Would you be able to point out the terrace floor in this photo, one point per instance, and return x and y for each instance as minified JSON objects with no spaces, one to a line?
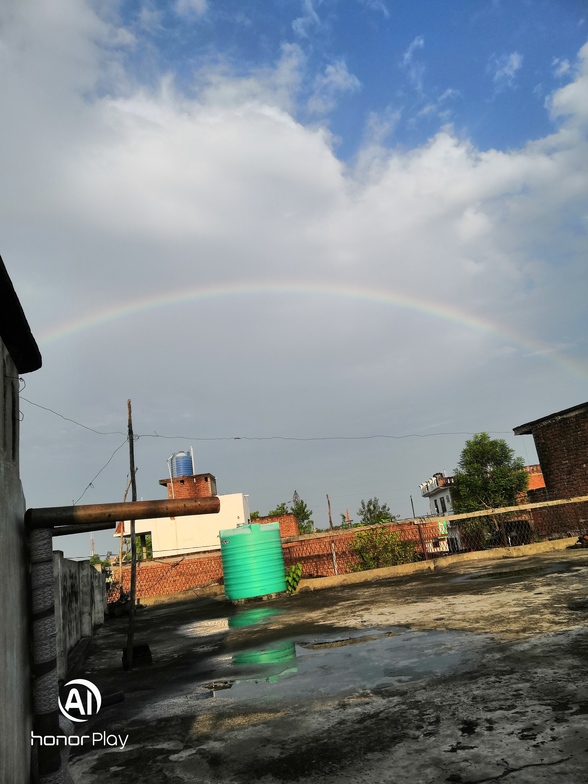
{"x":474,"y":673}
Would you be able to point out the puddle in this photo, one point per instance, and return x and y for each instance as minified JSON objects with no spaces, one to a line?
{"x":252,"y":617}
{"x":274,"y":653}
{"x":205,"y":628}
{"x":512,"y":573}
{"x":343,"y":664}
{"x":242,"y":618}
{"x":337,"y":666}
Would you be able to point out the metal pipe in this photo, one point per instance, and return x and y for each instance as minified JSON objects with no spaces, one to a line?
{"x":66,"y":530}
{"x":52,"y":516}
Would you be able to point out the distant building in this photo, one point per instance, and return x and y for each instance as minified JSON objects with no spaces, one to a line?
{"x":438,"y":490}
{"x":191,"y":533}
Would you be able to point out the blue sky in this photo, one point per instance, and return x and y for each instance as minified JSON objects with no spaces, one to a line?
{"x":486,"y":67}
{"x":300,"y":220}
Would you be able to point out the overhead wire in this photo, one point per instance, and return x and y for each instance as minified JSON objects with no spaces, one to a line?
{"x":91,"y":483}
{"x":264,"y":438}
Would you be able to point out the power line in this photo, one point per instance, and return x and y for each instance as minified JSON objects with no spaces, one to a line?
{"x":266,"y":438}
{"x":67,"y":419}
{"x":91,"y":483}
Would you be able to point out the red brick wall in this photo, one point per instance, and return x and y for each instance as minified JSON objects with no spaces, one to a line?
{"x":160,"y":577}
{"x":197,"y":486}
{"x":288,"y":524}
{"x":562,"y":447}
{"x":166,"y":576}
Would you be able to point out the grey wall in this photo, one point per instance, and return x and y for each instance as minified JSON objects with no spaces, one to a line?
{"x":80,"y":604}
{"x":15,"y":693}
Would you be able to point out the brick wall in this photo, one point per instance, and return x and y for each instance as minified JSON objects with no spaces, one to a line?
{"x":313,"y":551}
{"x":197,"y":486}
{"x":562,"y":447}
{"x":288,"y":524}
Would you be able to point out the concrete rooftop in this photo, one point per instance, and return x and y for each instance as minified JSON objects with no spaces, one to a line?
{"x":474,"y":673}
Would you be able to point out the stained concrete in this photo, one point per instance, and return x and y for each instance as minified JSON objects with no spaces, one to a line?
{"x":473,"y":673}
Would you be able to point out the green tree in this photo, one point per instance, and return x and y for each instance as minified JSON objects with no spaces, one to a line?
{"x":372,"y":512}
{"x":253,"y":515}
{"x":304,"y":516}
{"x":300,"y":511}
{"x":488,"y":475}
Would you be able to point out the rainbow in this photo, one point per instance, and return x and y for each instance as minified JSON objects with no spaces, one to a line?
{"x":375,"y":296}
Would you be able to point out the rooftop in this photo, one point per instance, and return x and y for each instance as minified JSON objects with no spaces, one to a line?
{"x":529,"y":427}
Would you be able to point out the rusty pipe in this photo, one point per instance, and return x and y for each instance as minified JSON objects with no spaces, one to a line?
{"x":52,"y":516}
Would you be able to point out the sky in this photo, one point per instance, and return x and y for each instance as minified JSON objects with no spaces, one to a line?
{"x":322,"y":242}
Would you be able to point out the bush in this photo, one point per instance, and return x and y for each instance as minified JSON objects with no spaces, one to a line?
{"x":293,"y":575}
{"x":377,"y":547}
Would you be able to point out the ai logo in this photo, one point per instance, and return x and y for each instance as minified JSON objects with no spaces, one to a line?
{"x":83,"y":700}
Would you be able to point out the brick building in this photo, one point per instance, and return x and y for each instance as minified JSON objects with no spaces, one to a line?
{"x":561,"y":440}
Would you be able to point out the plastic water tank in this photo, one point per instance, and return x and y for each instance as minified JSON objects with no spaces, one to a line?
{"x":253,"y":562}
{"x":181,"y":464}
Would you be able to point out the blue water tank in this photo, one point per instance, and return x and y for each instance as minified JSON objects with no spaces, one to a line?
{"x":181,"y":464}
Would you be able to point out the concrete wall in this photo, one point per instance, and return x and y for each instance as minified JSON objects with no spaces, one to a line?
{"x":15,"y":696}
{"x":80,"y":604}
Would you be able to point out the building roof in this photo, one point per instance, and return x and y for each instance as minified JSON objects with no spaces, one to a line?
{"x":14,"y":328}
{"x":529,"y":427}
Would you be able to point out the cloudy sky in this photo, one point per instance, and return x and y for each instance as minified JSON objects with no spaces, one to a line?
{"x":320,"y":241}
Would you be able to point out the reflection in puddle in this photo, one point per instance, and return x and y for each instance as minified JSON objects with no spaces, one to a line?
{"x":205,"y":628}
{"x":252,"y":616}
{"x":273,"y":653}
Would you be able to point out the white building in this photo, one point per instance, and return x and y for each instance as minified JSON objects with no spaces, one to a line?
{"x":438,"y":490}
{"x":192,"y":533}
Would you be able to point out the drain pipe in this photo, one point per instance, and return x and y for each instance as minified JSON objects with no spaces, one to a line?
{"x":42,"y":525}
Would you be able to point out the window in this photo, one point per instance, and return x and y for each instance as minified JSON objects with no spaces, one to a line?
{"x":443,"y":507}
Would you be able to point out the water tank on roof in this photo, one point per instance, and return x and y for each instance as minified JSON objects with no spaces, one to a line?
{"x":181,"y":464}
{"x":253,"y":562}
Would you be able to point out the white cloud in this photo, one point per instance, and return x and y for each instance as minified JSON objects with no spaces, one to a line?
{"x":414,"y":67}
{"x":190,"y":8}
{"x":328,"y":86}
{"x":504,"y":69}
{"x":120,"y":195}
{"x":308,"y":21}
{"x":560,"y":67}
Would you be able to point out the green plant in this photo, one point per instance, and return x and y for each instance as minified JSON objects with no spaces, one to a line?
{"x":378,"y":546}
{"x":293,"y":575}
{"x":372,"y":512}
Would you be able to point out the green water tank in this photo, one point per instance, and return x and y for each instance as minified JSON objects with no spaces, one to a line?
{"x":253,"y":562}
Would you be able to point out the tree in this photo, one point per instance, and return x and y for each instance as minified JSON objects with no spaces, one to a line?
{"x":488,"y":475}
{"x":253,"y":515}
{"x":300,"y":511}
{"x":372,"y":512}
{"x":304,"y":516}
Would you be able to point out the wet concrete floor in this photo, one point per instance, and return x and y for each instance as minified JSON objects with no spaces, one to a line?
{"x":470,"y":674}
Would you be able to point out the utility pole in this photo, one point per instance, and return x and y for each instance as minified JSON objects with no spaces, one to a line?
{"x":122,"y":537}
{"x":131,"y":632}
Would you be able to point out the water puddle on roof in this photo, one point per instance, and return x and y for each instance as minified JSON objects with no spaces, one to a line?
{"x":255,"y":616}
{"x":346,"y":663}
